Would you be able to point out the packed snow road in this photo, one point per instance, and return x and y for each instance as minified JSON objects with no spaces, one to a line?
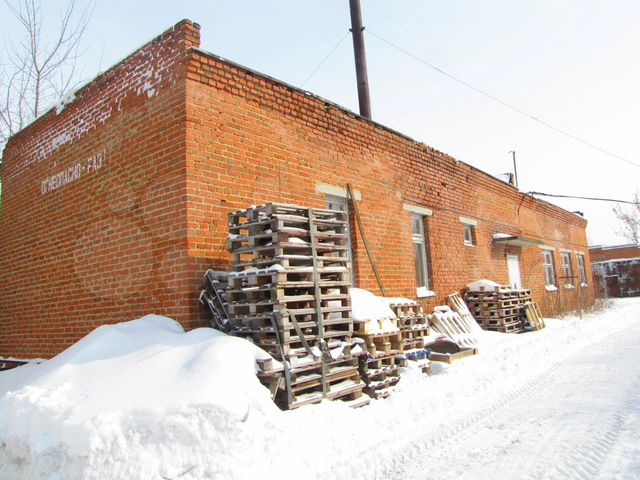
{"x":579,"y":421}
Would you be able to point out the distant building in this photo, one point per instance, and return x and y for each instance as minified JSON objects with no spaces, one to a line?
{"x":115,"y":203}
{"x":616,"y":270}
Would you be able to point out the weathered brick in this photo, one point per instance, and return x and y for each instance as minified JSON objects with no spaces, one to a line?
{"x":185,"y":137}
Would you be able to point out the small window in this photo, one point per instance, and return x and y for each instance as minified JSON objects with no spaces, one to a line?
{"x":581,"y":270}
{"x":419,"y":250}
{"x":549,"y":268}
{"x":469,"y":234}
{"x":566,"y":268}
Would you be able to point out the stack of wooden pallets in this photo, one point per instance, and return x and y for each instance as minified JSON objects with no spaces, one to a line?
{"x":413,"y":324}
{"x":499,"y":309}
{"x":380,"y":365}
{"x":289,"y":293}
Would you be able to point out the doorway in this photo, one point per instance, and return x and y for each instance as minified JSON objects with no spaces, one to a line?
{"x":513,"y":266}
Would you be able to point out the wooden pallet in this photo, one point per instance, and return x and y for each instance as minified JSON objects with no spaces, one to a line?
{"x":276,"y":292}
{"x":413,"y":321}
{"x":345,"y":386}
{"x":505,"y":328}
{"x":379,"y":372}
{"x":290,"y":277}
{"x":534,"y":316}
{"x":451,"y":324}
{"x":490,"y":313}
{"x":413,"y":336}
{"x":451,"y":357}
{"x":460,"y":307}
{"x":385,"y":343}
{"x":407,"y":310}
{"x":361,"y":327}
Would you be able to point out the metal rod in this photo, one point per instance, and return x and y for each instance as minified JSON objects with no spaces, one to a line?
{"x":361,"y":59}
{"x":515,"y":167}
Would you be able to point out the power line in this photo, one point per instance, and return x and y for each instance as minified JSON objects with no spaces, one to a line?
{"x":502,"y":102}
{"x":582,"y":198}
{"x":325,"y":59}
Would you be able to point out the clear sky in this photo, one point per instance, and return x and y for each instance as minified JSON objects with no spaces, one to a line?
{"x":572,"y":63}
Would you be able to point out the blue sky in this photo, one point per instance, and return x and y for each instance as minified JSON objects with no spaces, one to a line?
{"x":573,"y":64}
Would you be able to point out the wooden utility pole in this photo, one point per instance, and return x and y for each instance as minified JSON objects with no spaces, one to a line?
{"x":361,"y":59}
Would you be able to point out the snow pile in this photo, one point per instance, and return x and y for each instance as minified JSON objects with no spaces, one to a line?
{"x":373,"y":311}
{"x":421,"y":424}
{"x":139,"y":393}
{"x":483,"y":285}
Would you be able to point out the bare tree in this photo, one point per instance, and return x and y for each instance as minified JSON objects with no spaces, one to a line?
{"x":629,"y":220}
{"x":34,"y":74}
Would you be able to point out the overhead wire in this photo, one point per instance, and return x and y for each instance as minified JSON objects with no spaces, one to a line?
{"x":582,"y":198}
{"x":504,"y":103}
{"x":325,"y":59}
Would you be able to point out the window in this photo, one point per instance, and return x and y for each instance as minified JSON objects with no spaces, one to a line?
{"x":419,"y":250}
{"x":468,"y":234}
{"x":334,"y":202}
{"x":566,"y":268}
{"x":582,"y":272}
{"x":549,"y":268}
{"x":469,"y":225}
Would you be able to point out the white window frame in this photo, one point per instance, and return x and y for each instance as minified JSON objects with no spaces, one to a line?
{"x":469,"y":230}
{"x":343,"y":203}
{"x":419,"y":239}
{"x":468,"y":234}
{"x":582,"y":270}
{"x":565,"y":258}
{"x":548,"y":264}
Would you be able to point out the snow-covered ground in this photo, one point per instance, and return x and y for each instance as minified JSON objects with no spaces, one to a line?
{"x":146,"y":400}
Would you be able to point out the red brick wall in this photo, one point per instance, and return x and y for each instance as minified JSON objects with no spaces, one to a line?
{"x":107,"y":245}
{"x":253,"y":140}
{"x":182,"y":138}
{"x":601,"y":254}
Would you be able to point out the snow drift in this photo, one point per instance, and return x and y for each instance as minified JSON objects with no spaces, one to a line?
{"x":142,"y":391}
{"x":144,"y":400}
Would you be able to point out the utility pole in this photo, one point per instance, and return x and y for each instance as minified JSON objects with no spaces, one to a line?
{"x":515,"y":168}
{"x":361,"y":59}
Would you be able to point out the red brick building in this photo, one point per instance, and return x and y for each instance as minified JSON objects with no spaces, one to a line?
{"x":616,"y":270}
{"x":114,"y":204}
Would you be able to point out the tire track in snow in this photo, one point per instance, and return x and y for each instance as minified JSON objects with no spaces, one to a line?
{"x":587,"y":463}
{"x":583,"y":464}
{"x":415,"y":449}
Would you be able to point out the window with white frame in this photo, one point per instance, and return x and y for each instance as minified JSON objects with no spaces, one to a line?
{"x":335,"y":202}
{"x":469,"y":229}
{"x":566,"y":269}
{"x":582,"y":272}
{"x":419,"y":249}
{"x":468,"y":234}
{"x":549,"y":268}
